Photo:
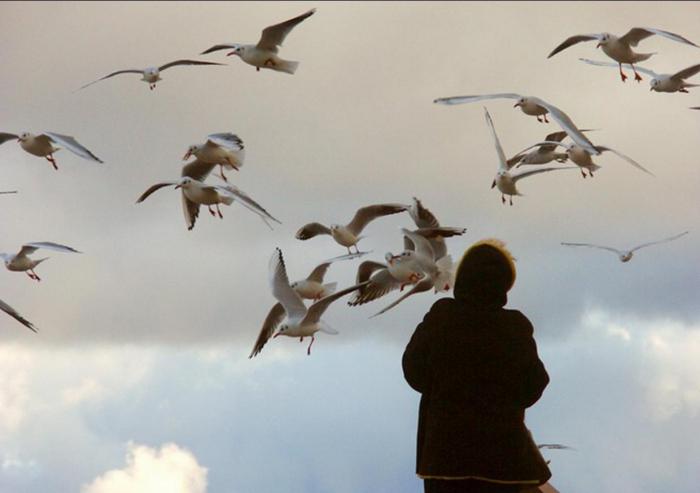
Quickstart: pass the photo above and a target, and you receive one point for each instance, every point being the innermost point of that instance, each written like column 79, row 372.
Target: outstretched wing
column 502, row 161
column 594, row 246
column 525, row 174
column 316, row 310
column 190, row 210
column 281, row 290
column 426, row 284
column 154, row 188
column 128, row 71
column 422, row 216
column 379, row 284
column 319, row 272
column 615, row 65
column 72, row 145
column 272, row 321
column 572, row 41
column 686, row 72
column 626, row 158
column 197, row 170
column 230, row 141
column 4, row 137
column 186, row 62
column 367, row 214
column 28, row 248
column 225, row 46
column 565, row 123
column 250, row 204
column 310, row 230
column 273, row 36
column 14, row 314
column 471, row 99
column 636, row 34
column 659, row 241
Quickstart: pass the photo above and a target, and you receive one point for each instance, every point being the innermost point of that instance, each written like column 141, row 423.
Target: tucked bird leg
column 33, row 275
column 211, row 211
column 583, row 173
column 308, row 349
column 222, row 175
column 624, row 77
column 218, row 211
column 50, row 159
column 503, row 199
column 683, row 89
column 545, row 118
column 637, row 77
column 510, row 199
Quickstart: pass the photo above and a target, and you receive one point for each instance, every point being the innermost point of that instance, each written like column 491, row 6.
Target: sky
column 139, row 377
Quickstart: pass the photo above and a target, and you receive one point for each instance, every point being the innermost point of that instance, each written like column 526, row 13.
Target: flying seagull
column 20, row 261
column 264, row 54
column 620, row 48
column 44, row 145
column 626, row 255
column 660, row 82
column 151, row 74
column 224, row 149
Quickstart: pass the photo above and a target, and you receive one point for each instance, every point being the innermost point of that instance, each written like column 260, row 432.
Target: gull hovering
column 20, row 261
column 311, row 288
column 300, row 321
column 44, row 145
column 620, row 48
column 530, row 105
column 660, row 82
column 264, row 54
column 196, row 193
column 224, row 149
column 348, row 235
column 14, row 314
column 151, row 74
column 505, row 180
column 626, row 255
column 542, row 154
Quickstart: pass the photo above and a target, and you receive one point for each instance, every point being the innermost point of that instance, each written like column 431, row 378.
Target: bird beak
column 516, row 105
column 187, row 155
column 277, row 334
column 598, row 45
column 493, row 185
column 178, row 186
column 231, row 53
column 651, row 88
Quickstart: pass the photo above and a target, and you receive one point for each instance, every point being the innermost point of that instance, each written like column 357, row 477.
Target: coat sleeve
column 417, row 352
column 536, row 378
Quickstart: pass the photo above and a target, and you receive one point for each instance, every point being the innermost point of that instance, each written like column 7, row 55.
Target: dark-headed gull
column 620, row 48
column 151, row 74
column 505, row 180
column 14, row 314
column 224, row 149
column 44, row 145
column 348, row 235
column 20, row 261
column 659, row 82
column 196, row 193
column 529, row 105
column 264, row 54
column 300, row 321
column 626, row 255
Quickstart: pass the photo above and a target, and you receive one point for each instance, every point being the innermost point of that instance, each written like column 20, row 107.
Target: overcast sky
column 139, row 377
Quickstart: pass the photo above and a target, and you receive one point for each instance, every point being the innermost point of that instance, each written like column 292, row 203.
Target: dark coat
column 476, row 366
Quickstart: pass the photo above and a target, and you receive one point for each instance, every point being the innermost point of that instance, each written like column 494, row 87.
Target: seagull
column 264, row 54
column 224, row 149
column 44, row 145
column 541, row 155
column 14, row 314
column 620, row 48
column 349, row 234
column 582, row 158
column 20, row 261
column 505, row 180
column 626, row 255
column 300, row 321
column 530, row 105
column 660, row 82
column 151, row 74
column 196, row 193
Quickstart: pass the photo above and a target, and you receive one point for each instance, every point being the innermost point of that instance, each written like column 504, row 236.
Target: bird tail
column 643, row 56
column 287, row 66
column 226, row 198
column 330, row 288
column 40, row 260
column 690, row 85
column 324, row 327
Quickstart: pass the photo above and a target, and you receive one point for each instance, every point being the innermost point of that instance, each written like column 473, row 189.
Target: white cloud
column 14, row 386
column 148, row 470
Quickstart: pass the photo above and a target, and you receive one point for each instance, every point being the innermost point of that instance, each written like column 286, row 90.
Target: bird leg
column 510, row 199
column 257, row 69
column 269, row 62
column 683, row 89
column 223, row 176
column 33, row 275
column 503, row 199
column 590, row 173
column 308, row 349
column 301, row 339
column 52, row 161
column 637, row 77
column 583, row 173
column 624, row 77
column 538, row 119
column 221, row 216
column 545, row 118
column 211, row 211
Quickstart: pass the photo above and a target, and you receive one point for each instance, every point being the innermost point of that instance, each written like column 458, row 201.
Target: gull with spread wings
column 196, row 193
column 225, row 149
column 45, row 144
column 620, row 48
column 659, row 82
column 626, row 255
column 20, row 261
column 264, row 53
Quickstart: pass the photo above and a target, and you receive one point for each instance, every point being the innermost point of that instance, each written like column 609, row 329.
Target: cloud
column 170, row 468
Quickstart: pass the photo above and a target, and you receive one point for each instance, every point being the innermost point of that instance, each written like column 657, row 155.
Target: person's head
column 486, row 273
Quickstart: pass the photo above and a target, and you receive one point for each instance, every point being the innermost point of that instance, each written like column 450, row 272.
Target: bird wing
column 572, row 41
column 190, row 210
column 565, row 123
column 127, row 71
column 525, row 174
column 422, row 245
column 594, row 246
column 4, row 137
column 248, row 202
column 636, row 34
column 153, row 188
column 225, row 46
column 422, row 216
column 273, row 36
column 502, row 161
column 230, row 141
column 598, row 63
column 197, row 170
column 659, row 241
column 552, row 143
column 28, row 248
column 379, row 284
column 186, row 62
column 72, row 145
column 279, row 282
column 626, row 158
column 686, row 72
column 316, row 310
column 553, row 137
column 426, row 284
column 319, row 272
column 471, row 99
column 310, row 230
column 436, row 238
column 14, row 314
column 272, row 321
column 365, row 215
